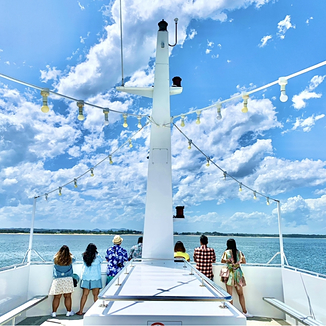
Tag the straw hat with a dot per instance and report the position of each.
(117, 239)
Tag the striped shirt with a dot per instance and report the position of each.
(204, 257)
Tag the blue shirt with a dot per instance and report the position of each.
(136, 251)
(115, 256)
(63, 271)
(93, 272)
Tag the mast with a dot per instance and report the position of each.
(158, 223)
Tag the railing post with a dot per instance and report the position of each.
(30, 245)
(280, 232)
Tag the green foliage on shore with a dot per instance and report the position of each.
(127, 231)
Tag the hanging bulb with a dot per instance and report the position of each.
(45, 93)
(267, 201)
(92, 172)
(219, 115)
(110, 159)
(182, 124)
(139, 122)
(125, 124)
(224, 175)
(198, 117)
(60, 188)
(255, 196)
(80, 105)
(106, 116)
(245, 103)
(46, 196)
(207, 159)
(75, 183)
(282, 82)
(240, 186)
(130, 143)
(189, 143)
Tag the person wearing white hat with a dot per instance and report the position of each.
(115, 256)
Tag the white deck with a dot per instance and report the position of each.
(183, 300)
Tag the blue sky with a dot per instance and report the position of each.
(224, 48)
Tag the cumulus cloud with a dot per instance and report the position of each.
(283, 26)
(308, 123)
(50, 74)
(264, 40)
(299, 100)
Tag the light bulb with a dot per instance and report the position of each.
(267, 201)
(92, 172)
(255, 196)
(80, 105)
(75, 183)
(60, 188)
(198, 118)
(182, 124)
(207, 159)
(224, 175)
(110, 159)
(125, 124)
(106, 116)
(46, 196)
(245, 103)
(240, 187)
(283, 97)
(45, 93)
(189, 143)
(130, 143)
(139, 122)
(282, 82)
(219, 115)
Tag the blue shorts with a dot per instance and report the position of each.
(85, 284)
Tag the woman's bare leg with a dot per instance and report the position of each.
(67, 297)
(56, 302)
(83, 300)
(229, 290)
(95, 293)
(241, 298)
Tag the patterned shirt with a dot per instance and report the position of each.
(116, 256)
(136, 251)
(204, 257)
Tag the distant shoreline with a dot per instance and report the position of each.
(138, 233)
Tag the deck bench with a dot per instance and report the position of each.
(306, 320)
(12, 314)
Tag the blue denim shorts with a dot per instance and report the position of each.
(85, 284)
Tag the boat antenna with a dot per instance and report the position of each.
(121, 45)
(176, 32)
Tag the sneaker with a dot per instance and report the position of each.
(70, 313)
(248, 315)
(54, 314)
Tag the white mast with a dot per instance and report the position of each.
(158, 224)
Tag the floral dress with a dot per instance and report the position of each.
(236, 277)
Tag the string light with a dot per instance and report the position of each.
(207, 159)
(80, 105)
(45, 93)
(219, 115)
(125, 124)
(198, 117)
(46, 196)
(92, 172)
(282, 82)
(130, 143)
(245, 103)
(255, 196)
(60, 188)
(182, 124)
(189, 143)
(139, 122)
(224, 175)
(75, 183)
(240, 186)
(110, 159)
(267, 201)
(106, 116)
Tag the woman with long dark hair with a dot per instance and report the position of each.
(62, 283)
(91, 275)
(234, 258)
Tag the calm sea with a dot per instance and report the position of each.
(304, 253)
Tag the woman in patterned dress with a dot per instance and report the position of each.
(234, 258)
(62, 283)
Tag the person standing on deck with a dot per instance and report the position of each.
(204, 258)
(115, 256)
(136, 250)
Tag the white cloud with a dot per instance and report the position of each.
(283, 26)
(81, 6)
(208, 51)
(264, 40)
(308, 20)
(7, 63)
(192, 34)
(308, 123)
(50, 74)
(299, 100)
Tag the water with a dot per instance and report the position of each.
(304, 253)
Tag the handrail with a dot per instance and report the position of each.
(29, 251)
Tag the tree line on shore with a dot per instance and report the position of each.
(127, 231)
